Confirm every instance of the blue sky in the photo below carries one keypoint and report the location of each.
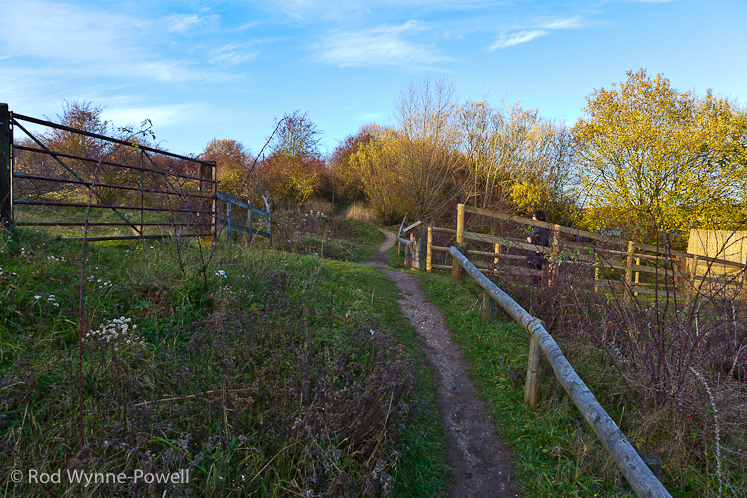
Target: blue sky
(227, 69)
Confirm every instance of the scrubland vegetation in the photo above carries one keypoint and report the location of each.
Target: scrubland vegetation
(285, 373)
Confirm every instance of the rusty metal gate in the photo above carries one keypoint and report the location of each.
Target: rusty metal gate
(105, 188)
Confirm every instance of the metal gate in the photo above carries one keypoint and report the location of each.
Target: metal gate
(106, 188)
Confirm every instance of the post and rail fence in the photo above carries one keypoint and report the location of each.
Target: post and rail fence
(629, 461)
(251, 211)
(619, 265)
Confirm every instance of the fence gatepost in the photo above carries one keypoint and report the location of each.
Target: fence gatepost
(250, 221)
(457, 272)
(208, 183)
(429, 250)
(6, 167)
(629, 271)
(266, 198)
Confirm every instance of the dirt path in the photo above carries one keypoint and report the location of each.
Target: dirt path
(480, 463)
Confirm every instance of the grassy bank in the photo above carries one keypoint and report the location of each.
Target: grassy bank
(263, 373)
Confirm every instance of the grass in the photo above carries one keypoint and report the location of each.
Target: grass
(556, 453)
(264, 373)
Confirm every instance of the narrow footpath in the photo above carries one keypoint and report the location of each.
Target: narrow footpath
(480, 463)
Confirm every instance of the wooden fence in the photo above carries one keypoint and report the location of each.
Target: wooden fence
(625, 266)
(636, 471)
(251, 211)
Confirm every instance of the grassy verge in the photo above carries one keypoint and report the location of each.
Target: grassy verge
(263, 373)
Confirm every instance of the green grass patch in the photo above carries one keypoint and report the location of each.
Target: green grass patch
(263, 373)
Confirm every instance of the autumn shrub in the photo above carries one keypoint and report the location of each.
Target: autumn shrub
(291, 180)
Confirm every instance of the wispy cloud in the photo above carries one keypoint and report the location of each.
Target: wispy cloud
(567, 23)
(382, 46)
(536, 29)
(508, 39)
(101, 44)
(232, 54)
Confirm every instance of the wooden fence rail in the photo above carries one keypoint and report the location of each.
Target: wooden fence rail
(637, 473)
(251, 211)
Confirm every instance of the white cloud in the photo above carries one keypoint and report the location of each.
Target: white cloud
(87, 43)
(515, 38)
(383, 46)
(232, 54)
(181, 23)
(568, 23)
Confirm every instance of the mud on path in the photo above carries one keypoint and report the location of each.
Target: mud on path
(480, 463)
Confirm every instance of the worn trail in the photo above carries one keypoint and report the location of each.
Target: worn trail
(480, 463)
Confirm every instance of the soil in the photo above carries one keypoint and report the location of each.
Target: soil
(481, 465)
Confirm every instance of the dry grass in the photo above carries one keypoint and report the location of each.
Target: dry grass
(359, 211)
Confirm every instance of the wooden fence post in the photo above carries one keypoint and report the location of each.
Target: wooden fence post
(6, 168)
(228, 218)
(457, 272)
(496, 258)
(681, 282)
(429, 249)
(637, 274)
(629, 271)
(488, 307)
(414, 253)
(555, 252)
(534, 373)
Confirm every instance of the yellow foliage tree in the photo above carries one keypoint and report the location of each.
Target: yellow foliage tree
(233, 162)
(517, 159)
(415, 166)
(661, 160)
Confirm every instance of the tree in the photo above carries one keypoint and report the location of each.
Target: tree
(293, 169)
(233, 162)
(297, 137)
(416, 165)
(346, 180)
(517, 160)
(663, 160)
